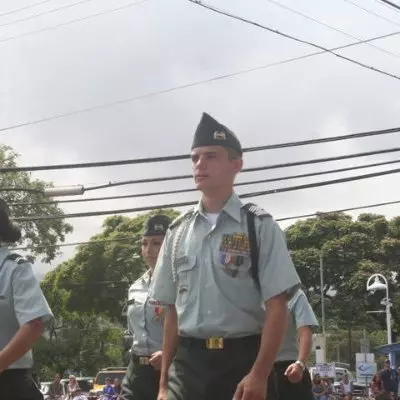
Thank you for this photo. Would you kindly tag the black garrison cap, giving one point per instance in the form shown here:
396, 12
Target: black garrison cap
210, 132
157, 225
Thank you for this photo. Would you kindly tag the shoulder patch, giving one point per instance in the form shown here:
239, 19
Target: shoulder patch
177, 221
17, 259
256, 210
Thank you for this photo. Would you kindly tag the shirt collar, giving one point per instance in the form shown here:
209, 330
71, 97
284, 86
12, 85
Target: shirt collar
146, 278
232, 207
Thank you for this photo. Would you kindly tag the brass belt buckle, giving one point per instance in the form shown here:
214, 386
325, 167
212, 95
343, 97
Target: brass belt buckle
144, 360
215, 343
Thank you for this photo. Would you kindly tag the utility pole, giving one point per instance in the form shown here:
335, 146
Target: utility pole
321, 274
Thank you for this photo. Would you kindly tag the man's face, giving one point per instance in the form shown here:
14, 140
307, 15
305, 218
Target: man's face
212, 168
57, 378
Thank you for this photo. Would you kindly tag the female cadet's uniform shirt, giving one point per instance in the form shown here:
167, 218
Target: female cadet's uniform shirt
21, 301
300, 314
210, 280
145, 318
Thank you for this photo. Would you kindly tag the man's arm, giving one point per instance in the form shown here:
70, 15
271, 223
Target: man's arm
276, 319
305, 343
21, 343
170, 344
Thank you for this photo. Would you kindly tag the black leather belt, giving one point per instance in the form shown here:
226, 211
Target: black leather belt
219, 343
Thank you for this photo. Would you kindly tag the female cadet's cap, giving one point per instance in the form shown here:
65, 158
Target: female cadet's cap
210, 132
156, 225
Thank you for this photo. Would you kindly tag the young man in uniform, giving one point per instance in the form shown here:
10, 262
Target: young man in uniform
292, 379
226, 315
23, 312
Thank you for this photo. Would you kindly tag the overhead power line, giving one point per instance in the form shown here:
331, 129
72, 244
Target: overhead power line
125, 239
299, 13
24, 8
146, 160
372, 12
253, 169
391, 4
54, 10
191, 203
167, 192
54, 27
187, 85
294, 38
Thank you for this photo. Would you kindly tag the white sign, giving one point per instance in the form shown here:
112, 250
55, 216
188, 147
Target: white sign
366, 369
325, 370
365, 357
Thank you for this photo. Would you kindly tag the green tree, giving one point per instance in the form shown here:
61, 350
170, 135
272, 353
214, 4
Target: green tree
98, 276
351, 250
41, 237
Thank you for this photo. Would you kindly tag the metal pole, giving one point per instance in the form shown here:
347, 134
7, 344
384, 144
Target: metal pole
321, 274
388, 321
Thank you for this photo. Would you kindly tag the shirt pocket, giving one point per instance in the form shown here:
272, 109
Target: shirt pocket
234, 265
233, 256
184, 274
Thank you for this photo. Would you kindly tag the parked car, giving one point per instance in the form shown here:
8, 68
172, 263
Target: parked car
100, 380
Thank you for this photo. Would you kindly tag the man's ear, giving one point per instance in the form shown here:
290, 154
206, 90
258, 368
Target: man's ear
237, 164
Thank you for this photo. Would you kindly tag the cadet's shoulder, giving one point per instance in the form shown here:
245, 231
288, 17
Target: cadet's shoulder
17, 259
257, 211
178, 221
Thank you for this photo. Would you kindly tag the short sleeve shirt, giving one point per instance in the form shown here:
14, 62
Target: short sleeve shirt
204, 270
21, 301
145, 318
300, 315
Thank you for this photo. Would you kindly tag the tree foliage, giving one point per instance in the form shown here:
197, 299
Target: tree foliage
351, 251
41, 237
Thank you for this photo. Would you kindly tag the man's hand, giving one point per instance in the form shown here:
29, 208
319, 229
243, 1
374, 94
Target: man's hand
252, 387
162, 393
294, 373
155, 360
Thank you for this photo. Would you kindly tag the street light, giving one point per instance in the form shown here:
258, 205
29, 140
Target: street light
50, 192
378, 285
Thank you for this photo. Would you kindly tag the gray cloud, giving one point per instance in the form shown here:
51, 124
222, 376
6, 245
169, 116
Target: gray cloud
158, 45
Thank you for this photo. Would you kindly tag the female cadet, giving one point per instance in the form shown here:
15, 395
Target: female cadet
145, 321
23, 311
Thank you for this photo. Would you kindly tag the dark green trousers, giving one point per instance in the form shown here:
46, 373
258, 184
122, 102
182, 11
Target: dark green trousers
200, 374
280, 388
141, 382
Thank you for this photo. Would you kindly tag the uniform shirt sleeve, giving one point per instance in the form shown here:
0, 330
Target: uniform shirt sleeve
303, 313
163, 287
29, 301
276, 270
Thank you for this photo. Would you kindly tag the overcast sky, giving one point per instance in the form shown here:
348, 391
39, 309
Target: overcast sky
158, 44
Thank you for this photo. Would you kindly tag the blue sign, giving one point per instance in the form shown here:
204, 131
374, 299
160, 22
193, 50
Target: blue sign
366, 369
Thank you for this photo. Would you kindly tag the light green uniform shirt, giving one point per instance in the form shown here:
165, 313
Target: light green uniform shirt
145, 318
204, 271
21, 301
300, 315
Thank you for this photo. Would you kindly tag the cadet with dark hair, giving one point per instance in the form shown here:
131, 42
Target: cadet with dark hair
145, 320
23, 311
226, 275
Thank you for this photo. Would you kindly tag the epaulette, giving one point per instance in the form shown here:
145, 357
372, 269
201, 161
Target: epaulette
177, 221
256, 210
17, 258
